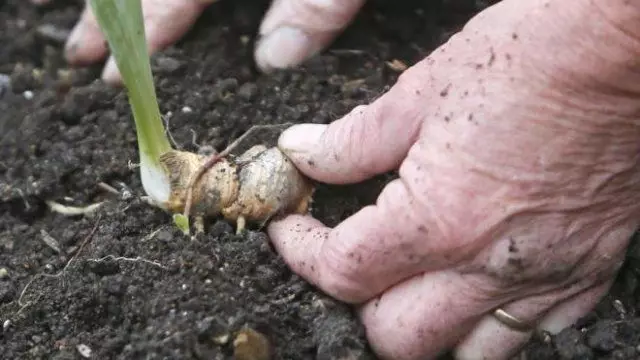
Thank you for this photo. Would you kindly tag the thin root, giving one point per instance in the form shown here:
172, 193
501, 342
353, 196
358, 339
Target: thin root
122, 258
61, 272
214, 159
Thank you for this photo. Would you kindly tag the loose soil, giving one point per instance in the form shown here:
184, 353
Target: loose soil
122, 281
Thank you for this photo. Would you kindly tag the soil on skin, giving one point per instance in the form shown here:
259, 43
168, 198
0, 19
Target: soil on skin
122, 281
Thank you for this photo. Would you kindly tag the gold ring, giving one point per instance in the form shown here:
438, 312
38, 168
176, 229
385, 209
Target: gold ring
511, 321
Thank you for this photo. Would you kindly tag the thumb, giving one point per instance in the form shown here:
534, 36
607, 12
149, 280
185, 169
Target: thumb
295, 30
368, 141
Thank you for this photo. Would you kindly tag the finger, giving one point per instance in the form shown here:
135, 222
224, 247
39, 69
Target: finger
165, 23
365, 254
294, 30
424, 316
370, 140
86, 44
568, 312
491, 339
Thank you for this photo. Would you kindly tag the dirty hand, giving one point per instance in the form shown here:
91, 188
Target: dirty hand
518, 148
291, 32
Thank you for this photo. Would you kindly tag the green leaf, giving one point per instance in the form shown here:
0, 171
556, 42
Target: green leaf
122, 24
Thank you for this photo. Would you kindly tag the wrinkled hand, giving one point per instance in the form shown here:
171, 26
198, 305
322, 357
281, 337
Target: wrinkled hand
518, 147
291, 32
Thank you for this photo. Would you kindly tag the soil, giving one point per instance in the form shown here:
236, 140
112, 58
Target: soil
121, 281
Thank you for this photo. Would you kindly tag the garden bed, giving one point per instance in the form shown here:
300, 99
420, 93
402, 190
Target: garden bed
121, 280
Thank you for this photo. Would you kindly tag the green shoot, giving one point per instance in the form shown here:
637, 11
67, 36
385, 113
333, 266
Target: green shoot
122, 24
182, 222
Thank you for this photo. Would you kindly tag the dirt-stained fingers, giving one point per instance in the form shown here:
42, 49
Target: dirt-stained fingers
166, 21
294, 30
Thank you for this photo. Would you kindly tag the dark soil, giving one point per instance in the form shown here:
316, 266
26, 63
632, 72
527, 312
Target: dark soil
123, 281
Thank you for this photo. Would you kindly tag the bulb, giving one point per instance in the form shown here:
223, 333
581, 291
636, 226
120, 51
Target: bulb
154, 181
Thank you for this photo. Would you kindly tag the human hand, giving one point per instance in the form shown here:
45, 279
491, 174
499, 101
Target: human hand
518, 147
291, 32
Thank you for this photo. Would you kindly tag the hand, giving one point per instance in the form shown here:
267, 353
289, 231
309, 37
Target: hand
291, 32
517, 144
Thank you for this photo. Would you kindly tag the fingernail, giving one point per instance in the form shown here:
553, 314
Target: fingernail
283, 48
110, 73
301, 138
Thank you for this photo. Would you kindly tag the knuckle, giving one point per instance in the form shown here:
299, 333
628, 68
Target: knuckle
322, 14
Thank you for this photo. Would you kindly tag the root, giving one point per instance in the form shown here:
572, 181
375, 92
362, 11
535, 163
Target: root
135, 259
167, 131
217, 157
61, 272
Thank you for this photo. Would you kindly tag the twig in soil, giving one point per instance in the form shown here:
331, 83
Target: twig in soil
108, 188
122, 258
61, 272
73, 210
347, 52
217, 157
50, 241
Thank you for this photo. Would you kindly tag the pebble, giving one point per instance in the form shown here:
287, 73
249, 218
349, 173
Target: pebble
164, 236
28, 94
187, 110
5, 325
249, 344
4, 273
167, 65
84, 350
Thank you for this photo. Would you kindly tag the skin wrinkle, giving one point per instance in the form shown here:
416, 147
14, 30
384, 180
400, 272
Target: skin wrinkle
631, 35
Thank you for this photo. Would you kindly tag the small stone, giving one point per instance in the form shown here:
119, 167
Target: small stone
4, 273
167, 65
5, 325
28, 94
164, 236
84, 350
187, 109
249, 344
